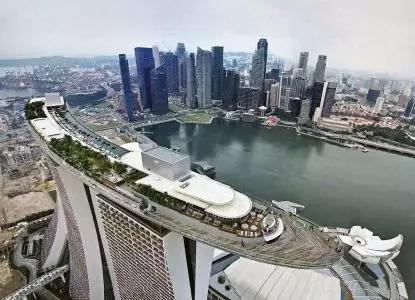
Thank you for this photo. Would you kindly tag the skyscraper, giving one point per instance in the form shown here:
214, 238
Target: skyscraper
257, 72
217, 72
145, 63
274, 95
316, 98
204, 78
303, 61
156, 56
274, 74
295, 107
159, 93
126, 85
191, 100
320, 68
298, 87
263, 44
171, 64
230, 89
328, 98
304, 112
248, 97
375, 86
285, 92
410, 109
181, 54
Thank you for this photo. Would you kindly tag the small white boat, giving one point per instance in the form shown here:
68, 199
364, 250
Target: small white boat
364, 150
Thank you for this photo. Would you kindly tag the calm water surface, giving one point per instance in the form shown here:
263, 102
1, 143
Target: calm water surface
338, 186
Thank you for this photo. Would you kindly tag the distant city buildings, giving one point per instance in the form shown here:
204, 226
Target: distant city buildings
203, 78
191, 99
320, 68
126, 85
159, 91
217, 72
17, 155
145, 63
171, 63
303, 61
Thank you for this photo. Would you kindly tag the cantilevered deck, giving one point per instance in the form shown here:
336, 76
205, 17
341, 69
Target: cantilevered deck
302, 244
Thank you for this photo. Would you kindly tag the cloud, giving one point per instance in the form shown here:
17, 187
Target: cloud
375, 35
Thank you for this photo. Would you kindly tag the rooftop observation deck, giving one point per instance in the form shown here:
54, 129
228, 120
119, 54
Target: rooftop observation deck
301, 245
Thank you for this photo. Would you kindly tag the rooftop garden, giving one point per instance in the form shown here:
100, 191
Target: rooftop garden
92, 163
34, 110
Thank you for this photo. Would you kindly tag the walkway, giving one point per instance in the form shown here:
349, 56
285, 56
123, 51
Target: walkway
38, 283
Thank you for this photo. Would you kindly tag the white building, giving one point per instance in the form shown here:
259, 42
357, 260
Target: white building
379, 104
274, 95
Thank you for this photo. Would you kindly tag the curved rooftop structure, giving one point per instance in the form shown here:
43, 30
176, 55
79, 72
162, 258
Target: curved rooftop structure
210, 212
369, 248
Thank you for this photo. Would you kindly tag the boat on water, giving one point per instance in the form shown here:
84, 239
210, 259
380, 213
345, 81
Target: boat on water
364, 150
288, 206
204, 168
272, 228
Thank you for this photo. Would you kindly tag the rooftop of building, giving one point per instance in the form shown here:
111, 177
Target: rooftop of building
209, 204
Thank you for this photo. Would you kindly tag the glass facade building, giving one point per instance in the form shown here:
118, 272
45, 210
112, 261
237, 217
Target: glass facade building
159, 94
171, 64
145, 63
217, 72
191, 87
126, 85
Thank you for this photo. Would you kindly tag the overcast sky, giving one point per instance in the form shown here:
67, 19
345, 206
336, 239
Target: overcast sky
376, 35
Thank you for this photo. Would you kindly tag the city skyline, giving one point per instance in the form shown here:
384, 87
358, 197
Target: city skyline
357, 45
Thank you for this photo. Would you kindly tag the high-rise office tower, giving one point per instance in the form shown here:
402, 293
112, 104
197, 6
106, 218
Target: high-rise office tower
379, 104
263, 44
156, 56
248, 97
145, 63
285, 92
274, 95
230, 89
298, 87
171, 63
316, 98
217, 72
126, 86
274, 74
181, 54
320, 68
234, 63
328, 98
375, 86
410, 109
303, 61
323, 99
159, 93
257, 72
204, 78
295, 107
304, 112
191, 99
268, 83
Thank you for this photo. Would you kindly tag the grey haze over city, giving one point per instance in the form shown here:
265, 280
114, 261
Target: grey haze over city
371, 35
